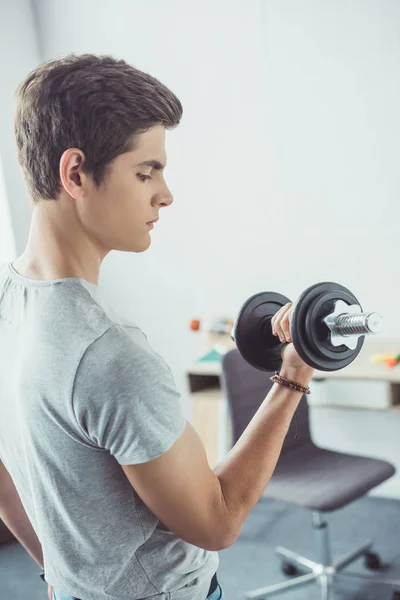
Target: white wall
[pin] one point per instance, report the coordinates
(18, 55)
(334, 90)
(284, 168)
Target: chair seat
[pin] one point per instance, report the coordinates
(324, 480)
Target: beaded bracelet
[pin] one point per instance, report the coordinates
(290, 384)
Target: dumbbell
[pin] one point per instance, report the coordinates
(328, 328)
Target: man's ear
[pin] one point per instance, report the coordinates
(73, 179)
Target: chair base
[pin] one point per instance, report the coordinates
(325, 573)
(324, 576)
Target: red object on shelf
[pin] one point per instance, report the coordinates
(222, 326)
(195, 325)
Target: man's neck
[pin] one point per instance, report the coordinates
(58, 247)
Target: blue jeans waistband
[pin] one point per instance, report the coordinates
(214, 586)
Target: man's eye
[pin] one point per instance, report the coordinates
(143, 177)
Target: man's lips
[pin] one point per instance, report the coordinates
(151, 223)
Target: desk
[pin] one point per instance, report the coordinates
(362, 384)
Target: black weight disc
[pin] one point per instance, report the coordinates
(311, 336)
(253, 332)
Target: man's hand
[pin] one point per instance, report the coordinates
(293, 366)
(50, 592)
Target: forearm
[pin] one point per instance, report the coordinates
(13, 514)
(248, 467)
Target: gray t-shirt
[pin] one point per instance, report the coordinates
(83, 392)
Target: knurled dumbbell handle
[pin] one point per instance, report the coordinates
(357, 324)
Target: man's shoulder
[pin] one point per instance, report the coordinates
(121, 359)
(101, 335)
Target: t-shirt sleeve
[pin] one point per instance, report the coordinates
(125, 399)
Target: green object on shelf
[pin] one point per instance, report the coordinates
(213, 356)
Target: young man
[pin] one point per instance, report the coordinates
(102, 480)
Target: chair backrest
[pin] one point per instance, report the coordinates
(245, 388)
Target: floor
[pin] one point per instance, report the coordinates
(252, 562)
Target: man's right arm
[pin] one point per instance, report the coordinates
(208, 508)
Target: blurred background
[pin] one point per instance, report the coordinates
(284, 168)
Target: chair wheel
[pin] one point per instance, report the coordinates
(396, 595)
(289, 569)
(372, 561)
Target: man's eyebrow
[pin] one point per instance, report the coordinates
(154, 164)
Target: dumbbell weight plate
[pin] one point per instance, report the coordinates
(253, 333)
(311, 336)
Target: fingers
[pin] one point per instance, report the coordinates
(280, 323)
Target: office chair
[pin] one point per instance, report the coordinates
(308, 476)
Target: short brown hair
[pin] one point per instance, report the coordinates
(95, 103)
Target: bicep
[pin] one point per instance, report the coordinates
(180, 488)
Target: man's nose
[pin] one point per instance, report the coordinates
(164, 198)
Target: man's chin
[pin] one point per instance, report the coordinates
(135, 245)
(139, 248)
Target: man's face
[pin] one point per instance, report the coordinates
(118, 214)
